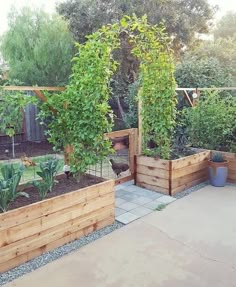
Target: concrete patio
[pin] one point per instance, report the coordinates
(190, 243)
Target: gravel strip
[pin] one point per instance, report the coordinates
(190, 190)
(50, 256)
(195, 188)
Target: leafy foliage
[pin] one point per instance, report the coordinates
(11, 111)
(202, 72)
(183, 19)
(48, 172)
(226, 26)
(81, 114)
(157, 86)
(131, 117)
(211, 123)
(37, 47)
(11, 176)
(82, 111)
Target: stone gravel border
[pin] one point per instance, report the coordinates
(50, 256)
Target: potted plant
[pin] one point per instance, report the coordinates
(218, 170)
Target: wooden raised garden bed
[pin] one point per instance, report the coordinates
(31, 230)
(231, 157)
(171, 176)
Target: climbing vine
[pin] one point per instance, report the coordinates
(81, 115)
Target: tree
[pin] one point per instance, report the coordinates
(37, 47)
(226, 26)
(202, 73)
(183, 19)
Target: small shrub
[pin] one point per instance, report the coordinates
(11, 177)
(217, 157)
(211, 123)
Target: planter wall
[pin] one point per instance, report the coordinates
(29, 231)
(171, 176)
(231, 157)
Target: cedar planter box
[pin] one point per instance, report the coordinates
(29, 231)
(171, 176)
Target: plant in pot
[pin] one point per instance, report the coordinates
(218, 170)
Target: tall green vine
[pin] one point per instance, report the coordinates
(81, 114)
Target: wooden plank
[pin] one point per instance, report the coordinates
(152, 171)
(118, 134)
(38, 209)
(153, 162)
(140, 124)
(153, 187)
(131, 152)
(124, 179)
(42, 238)
(188, 178)
(32, 88)
(189, 160)
(177, 173)
(43, 223)
(52, 245)
(188, 185)
(152, 180)
(188, 98)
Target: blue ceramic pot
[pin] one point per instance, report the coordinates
(218, 173)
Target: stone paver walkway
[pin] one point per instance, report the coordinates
(133, 202)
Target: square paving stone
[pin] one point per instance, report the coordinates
(119, 201)
(128, 206)
(120, 192)
(152, 204)
(141, 211)
(141, 200)
(129, 196)
(127, 218)
(165, 199)
(119, 211)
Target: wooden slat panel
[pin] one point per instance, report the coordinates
(188, 185)
(153, 171)
(43, 223)
(177, 173)
(36, 210)
(153, 162)
(153, 187)
(152, 180)
(118, 134)
(54, 244)
(123, 179)
(42, 238)
(188, 178)
(189, 160)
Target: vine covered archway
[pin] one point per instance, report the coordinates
(82, 110)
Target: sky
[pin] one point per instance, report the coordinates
(49, 6)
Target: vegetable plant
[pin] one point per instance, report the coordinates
(48, 172)
(11, 176)
(42, 188)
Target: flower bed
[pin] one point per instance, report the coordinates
(171, 176)
(31, 230)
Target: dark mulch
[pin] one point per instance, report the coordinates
(31, 149)
(63, 186)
